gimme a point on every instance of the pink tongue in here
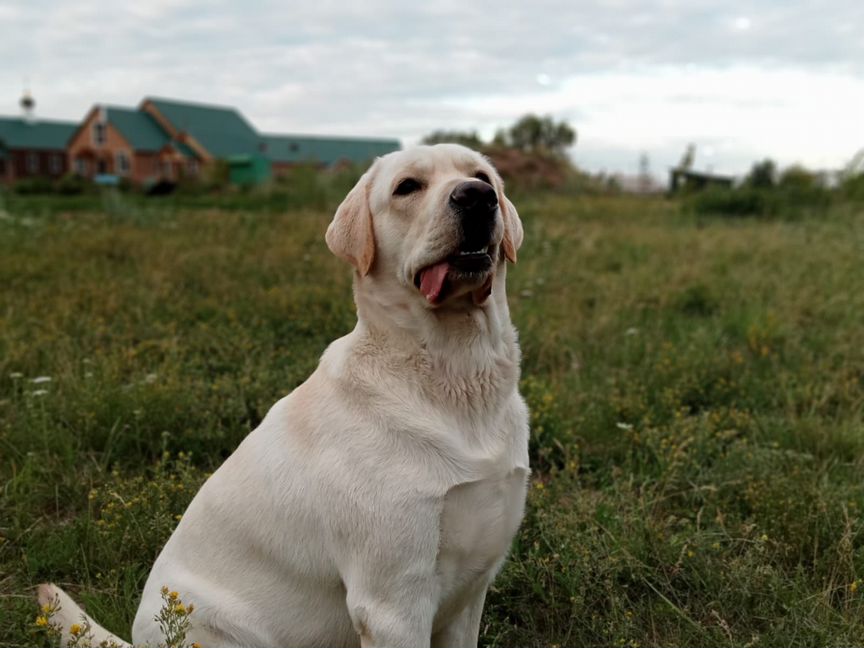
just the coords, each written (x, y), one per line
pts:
(432, 280)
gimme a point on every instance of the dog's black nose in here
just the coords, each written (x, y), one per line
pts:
(474, 203)
(474, 196)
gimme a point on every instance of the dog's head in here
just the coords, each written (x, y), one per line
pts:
(433, 218)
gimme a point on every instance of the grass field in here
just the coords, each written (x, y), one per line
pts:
(696, 388)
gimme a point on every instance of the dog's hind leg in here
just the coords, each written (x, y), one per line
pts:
(68, 612)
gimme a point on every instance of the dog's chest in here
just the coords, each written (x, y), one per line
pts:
(478, 522)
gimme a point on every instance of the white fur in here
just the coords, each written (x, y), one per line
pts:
(374, 505)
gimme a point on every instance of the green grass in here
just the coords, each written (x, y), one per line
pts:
(696, 387)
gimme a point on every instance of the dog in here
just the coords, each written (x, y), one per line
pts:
(374, 505)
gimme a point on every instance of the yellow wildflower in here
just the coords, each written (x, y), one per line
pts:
(180, 608)
(42, 621)
(854, 587)
(75, 629)
(173, 596)
(164, 590)
(195, 644)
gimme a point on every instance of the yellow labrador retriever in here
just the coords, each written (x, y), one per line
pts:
(374, 505)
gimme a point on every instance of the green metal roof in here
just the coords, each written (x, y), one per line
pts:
(18, 133)
(222, 131)
(138, 128)
(325, 150)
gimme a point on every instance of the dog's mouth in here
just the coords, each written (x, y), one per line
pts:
(440, 280)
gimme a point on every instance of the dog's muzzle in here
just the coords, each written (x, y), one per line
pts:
(475, 205)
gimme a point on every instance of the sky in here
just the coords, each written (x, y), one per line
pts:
(741, 80)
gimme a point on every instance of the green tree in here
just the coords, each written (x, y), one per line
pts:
(534, 134)
(763, 175)
(797, 177)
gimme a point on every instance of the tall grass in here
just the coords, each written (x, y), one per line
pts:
(696, 388)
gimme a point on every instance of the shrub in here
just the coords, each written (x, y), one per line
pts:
(72, 184)
(734, 202)
(852, 187)
(32, 186)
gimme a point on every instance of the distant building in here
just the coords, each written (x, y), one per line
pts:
(286, 151)
(214, 133)
(163, 141)
(128, 143)
(689, 180)
(32, 148)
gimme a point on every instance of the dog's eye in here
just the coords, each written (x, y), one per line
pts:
(407, 186)
(483, 177)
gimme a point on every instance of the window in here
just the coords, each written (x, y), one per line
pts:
(122, 163)
(99, 133)
(56, 164)
(192, 167)
(81, 167)
(32, 163)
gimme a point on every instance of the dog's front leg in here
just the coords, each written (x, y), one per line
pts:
(391, 582)
(392, 610)
(463, 629)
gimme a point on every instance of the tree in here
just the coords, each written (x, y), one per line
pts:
(797, 177)
(763, 175)
(535, 134)
(470, 139)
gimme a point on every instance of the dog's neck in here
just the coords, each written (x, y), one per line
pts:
(468, 347)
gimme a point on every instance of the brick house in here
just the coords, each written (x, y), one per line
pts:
(214, 133)
(223, 133)
(128, 143)
(32, 148)
(164, 140)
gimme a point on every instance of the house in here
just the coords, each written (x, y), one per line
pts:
(214, 133)
(31, 148)
(126, 143)
(165, 140)
(682, 179)
(223, 133)
(286, 151)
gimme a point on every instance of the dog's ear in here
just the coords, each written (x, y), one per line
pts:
(513, 232)
(350, 235)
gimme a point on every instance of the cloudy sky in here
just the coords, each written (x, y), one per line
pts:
(741, 80)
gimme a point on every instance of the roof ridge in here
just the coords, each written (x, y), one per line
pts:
(196, 104)
(117, 107)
